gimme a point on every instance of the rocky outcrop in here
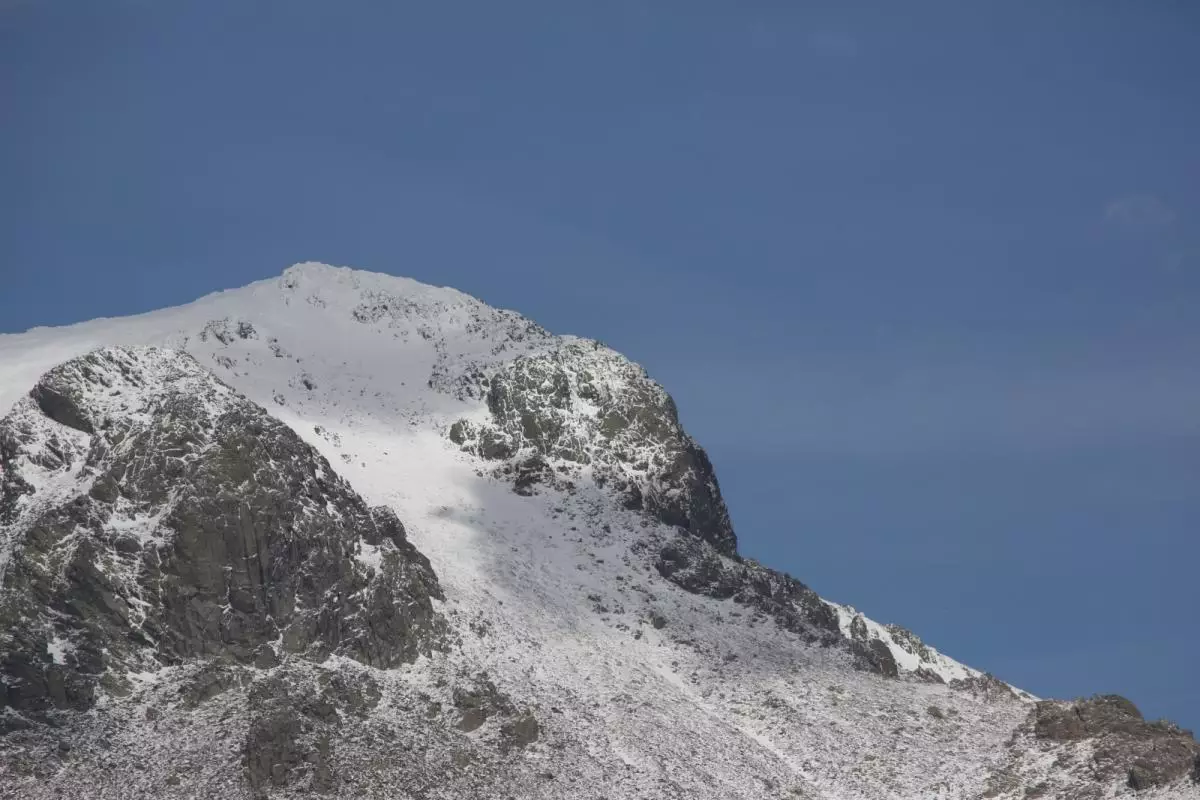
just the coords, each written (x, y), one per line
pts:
(581, 405)
(871, 653)
(175, 520)
(1148, 754)
(1093, 747)
(697, 567)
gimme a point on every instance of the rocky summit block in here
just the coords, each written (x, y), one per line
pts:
(151, 515)
(582, 406)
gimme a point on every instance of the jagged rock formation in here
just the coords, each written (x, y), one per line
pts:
(178, 521)
(459, 558)
(583, 406)
(1097, 741)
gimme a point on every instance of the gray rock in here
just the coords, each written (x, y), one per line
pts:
(699, 568)
(208, 681)
(519, 733)
(1149, 754)
(874, 656)
(479, 702)
(634, 431)
(56, 399)
(293, 725)
(249, 536)
(1084, 719)
(265, 657)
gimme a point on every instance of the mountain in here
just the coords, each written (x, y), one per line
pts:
(343, 534)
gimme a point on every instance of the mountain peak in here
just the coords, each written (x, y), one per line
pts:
(346, 534)
(352, 286)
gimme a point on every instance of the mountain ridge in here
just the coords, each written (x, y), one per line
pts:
(484, 432)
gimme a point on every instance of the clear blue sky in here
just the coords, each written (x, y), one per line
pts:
(924, 281)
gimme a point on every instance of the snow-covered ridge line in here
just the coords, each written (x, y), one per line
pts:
(909, 651)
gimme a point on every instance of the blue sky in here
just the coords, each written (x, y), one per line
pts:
(922, 277)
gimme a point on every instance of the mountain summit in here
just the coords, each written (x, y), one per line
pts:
(343, 534)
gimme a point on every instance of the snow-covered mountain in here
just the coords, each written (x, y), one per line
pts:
(346, 534)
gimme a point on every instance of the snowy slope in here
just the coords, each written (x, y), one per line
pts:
(641, 689)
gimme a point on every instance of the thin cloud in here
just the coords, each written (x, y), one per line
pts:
(1139, 213)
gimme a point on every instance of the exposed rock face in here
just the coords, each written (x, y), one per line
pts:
(1148, 753)
(871, 654)
(175, 521)
(698, 568)
(1085, 719)
(1079, 749)
(582, 405)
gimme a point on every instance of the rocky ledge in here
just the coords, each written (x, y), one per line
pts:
(1083, 749)
(1147, 753)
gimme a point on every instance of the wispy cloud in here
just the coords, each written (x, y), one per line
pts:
(1140, 213)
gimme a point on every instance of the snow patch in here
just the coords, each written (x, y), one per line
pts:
(58, 649)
